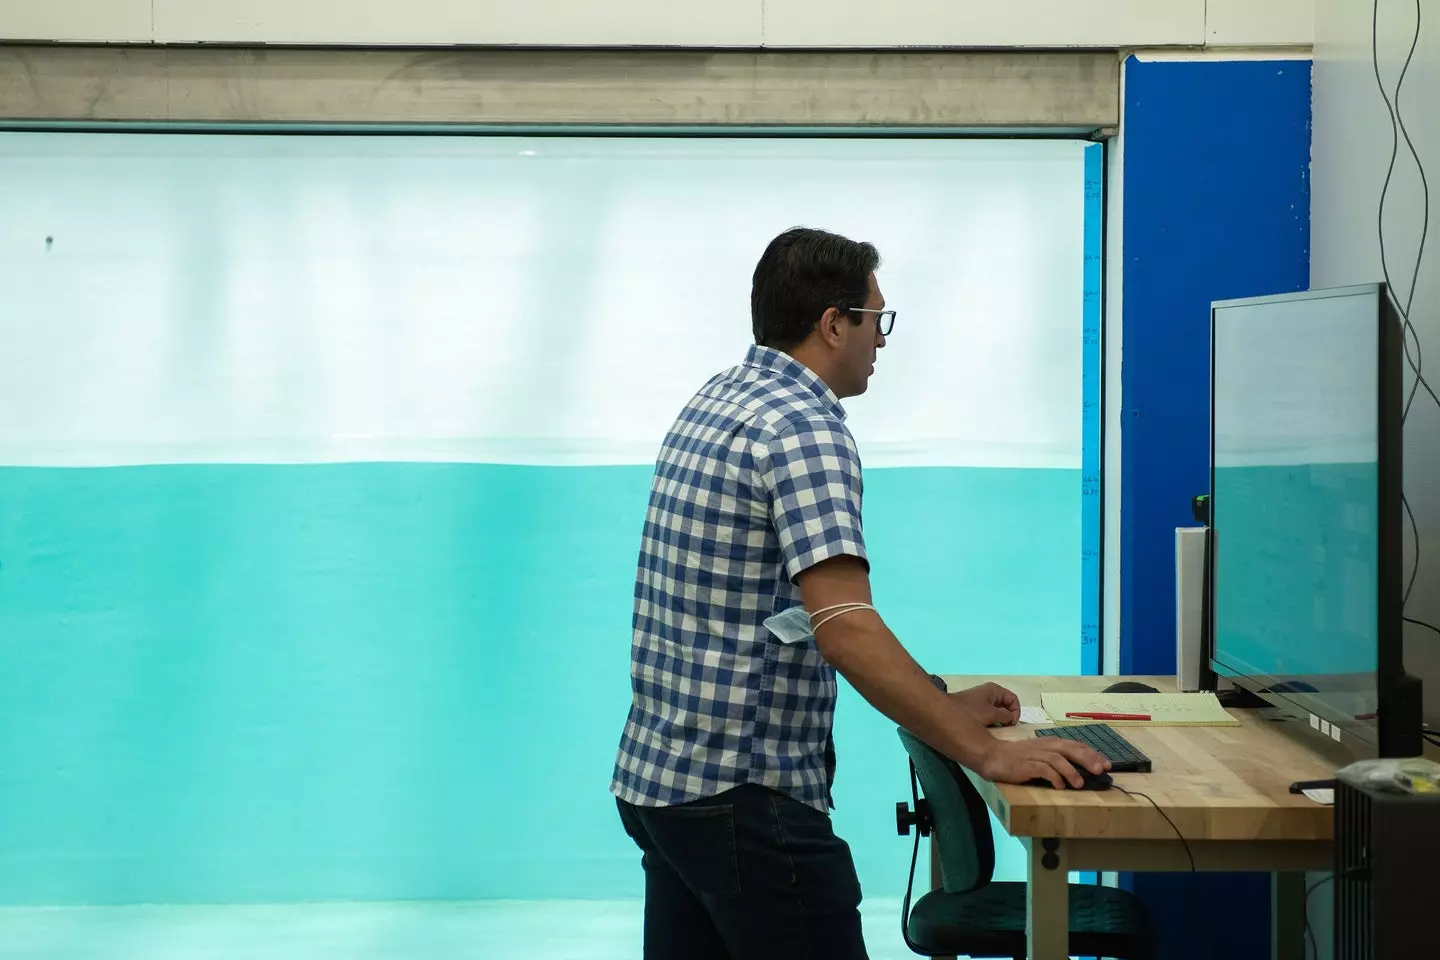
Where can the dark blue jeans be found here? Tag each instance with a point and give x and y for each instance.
(749, 874)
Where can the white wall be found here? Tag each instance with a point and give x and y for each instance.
(1351, 153)
(279, 265)
(731, 23)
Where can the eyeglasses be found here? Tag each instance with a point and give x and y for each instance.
(884, 319)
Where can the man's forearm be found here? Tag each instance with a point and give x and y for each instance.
(875, 663)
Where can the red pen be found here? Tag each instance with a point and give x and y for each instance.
(1108, 716)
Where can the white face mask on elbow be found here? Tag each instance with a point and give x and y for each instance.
(795, 625)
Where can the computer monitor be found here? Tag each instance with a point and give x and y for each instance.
(1305, 575)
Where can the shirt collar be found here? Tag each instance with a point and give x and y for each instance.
(782, 364)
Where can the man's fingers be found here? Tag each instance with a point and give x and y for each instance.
(1085, 756)
(1068, 771)
(1055, 770)
(1058, 762)
(1063, 772)
(1048, 773)
(1001, 716)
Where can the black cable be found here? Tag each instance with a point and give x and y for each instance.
(1415, 568)
(1397, 128)
(1424, 184)
(914, 859)
(1136, 793)
(1394, 153)
(1397, 131)
(1420, 380)
(1305, 912)
(909, 891)
(1422, 623)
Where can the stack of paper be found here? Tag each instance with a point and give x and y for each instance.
(1164, 709)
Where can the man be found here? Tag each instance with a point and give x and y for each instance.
(725, 766)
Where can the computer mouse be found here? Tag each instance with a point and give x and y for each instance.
(1093, 781)
(1130, 686)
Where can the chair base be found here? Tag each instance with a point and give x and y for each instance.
(990, 923)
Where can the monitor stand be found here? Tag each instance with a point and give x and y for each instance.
(1401, 719)
(1241, 699)
(1238, 698)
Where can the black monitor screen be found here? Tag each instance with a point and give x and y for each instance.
(1296, 499)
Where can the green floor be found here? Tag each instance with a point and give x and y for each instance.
(492, 930)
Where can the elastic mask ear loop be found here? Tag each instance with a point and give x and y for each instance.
(840, 609)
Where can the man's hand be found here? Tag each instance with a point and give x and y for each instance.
(1041, 758)
(990, 704)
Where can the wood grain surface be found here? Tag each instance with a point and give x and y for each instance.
(1215, 783)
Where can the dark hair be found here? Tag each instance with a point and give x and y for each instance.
(803, 273)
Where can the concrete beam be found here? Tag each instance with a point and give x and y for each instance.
(278, 85)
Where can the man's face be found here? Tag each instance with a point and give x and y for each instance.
(863, 343)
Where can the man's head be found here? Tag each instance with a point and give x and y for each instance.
(815, 297)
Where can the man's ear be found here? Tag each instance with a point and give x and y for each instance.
(829, 326)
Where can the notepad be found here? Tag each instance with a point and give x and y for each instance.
(1165, 709)
(1034, 715)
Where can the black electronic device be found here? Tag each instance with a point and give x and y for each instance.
(1130, 686)
(1092, 781)
(1304, 567)
(1103, 739)
(1386, 847)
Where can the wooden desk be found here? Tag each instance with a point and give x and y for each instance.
(1227, 789)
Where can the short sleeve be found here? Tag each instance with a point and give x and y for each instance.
(812, 477)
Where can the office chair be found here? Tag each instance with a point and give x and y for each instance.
(973, 916)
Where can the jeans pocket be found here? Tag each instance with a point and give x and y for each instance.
(823, 863)
(698, 842)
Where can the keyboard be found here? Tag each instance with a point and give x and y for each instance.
(1103, 739)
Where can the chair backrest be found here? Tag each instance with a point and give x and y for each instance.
(959, 818)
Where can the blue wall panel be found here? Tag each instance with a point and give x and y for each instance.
(1217, 205)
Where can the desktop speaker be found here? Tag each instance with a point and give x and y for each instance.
(1387, 857)
(1191, 652)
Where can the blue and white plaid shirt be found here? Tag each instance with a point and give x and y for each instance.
(758, 480)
